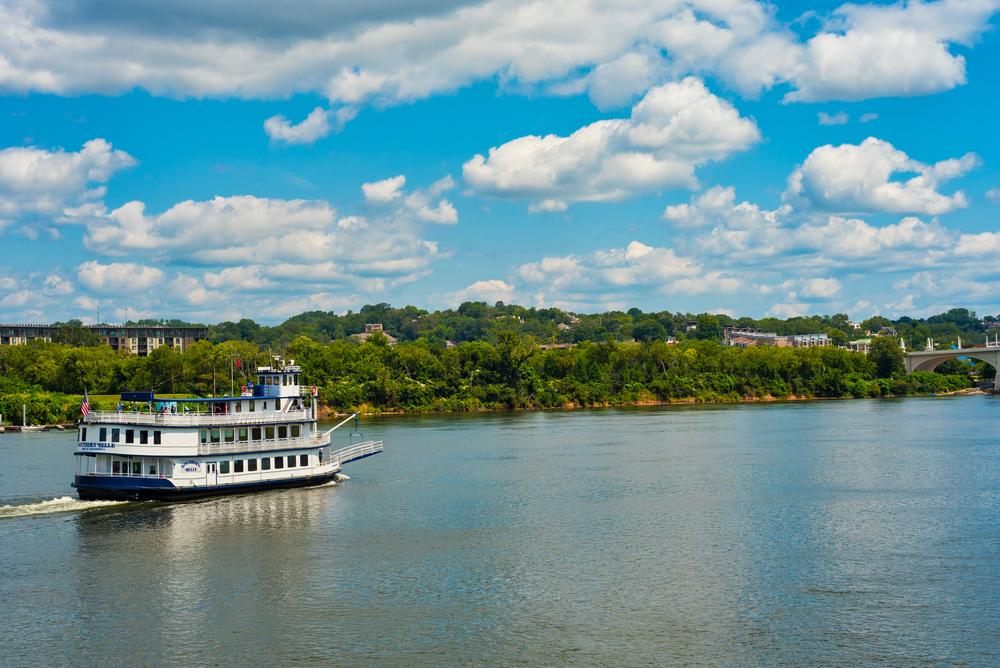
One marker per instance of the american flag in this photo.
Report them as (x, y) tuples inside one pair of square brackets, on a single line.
[(85, 406)]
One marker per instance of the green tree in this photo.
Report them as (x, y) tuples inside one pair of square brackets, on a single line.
[(886, 356)]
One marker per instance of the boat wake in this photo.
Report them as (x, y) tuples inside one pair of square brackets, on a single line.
[(63, 504)]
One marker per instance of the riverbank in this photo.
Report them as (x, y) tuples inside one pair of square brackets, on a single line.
[(369, 397), (328, 412)]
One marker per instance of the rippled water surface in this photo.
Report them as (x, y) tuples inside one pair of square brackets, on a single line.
[(864, 532)]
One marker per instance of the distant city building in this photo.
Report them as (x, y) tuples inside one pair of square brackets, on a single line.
[(746, 337), (135, 340)]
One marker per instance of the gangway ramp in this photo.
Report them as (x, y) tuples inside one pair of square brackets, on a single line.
[(355, 452)]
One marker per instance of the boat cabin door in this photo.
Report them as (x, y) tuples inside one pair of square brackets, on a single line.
[(211, 473)]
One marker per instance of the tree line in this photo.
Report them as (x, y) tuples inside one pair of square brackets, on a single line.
[(507, 370)]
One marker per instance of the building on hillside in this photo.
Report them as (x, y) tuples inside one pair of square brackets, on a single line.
[(135, 340), (860, 345), (746, 337), (371, 328), (810, 340), (15, 335)]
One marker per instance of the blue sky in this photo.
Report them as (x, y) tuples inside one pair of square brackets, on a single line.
[(226, 160)]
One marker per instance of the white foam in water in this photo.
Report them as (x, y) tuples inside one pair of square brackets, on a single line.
[(64, 504), (341, 476)]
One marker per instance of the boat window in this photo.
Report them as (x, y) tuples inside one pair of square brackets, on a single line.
[(295, 431), (104, 434), (156, 438), (243, 433), (137, 467), (130, 436), (251, 465), (303, 460), (116, 467), (256, 433), (265, 463), (291, 461), (263, 406), (269, 433), (238, 466), (283, 431), (223, 467), (252, 405), (204, 436), (116, 434), (239, 406), (143, 437), (230, 435), (215, 436), (83, 433), (152, 466), (279, 463)]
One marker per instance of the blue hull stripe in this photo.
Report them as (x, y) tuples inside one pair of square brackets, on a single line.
[(121, 487)]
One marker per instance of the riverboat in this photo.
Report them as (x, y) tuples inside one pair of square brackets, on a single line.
[(169, 448)]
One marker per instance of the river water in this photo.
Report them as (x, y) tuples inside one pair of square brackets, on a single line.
[(821, 533)]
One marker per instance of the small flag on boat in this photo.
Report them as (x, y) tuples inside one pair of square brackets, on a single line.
[(85, 406)]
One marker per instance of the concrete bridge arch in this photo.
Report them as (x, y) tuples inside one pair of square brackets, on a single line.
[(928, 360)]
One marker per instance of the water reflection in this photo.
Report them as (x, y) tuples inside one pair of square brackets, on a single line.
[(161, 575)]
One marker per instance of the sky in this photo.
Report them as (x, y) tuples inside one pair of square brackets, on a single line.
[(252, 159)]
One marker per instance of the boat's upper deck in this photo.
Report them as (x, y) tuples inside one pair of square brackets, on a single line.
[(194, 419), (276, 398)]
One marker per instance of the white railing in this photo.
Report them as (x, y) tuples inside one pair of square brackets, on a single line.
[(356, 451), (262, 446), (195, 419)]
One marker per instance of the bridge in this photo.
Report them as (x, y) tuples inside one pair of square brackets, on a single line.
[(927, 360)]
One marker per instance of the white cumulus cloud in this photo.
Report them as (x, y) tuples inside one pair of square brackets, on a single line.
[(672, 130), (315, 126), (57, 183), (489, 291), (118, 277), (860, 177), (385, 190)]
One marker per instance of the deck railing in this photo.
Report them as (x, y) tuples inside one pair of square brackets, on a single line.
[(238, 447), (197, 419), (356, 451)]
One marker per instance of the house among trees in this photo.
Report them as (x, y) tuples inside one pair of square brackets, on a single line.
[(372, 328)]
